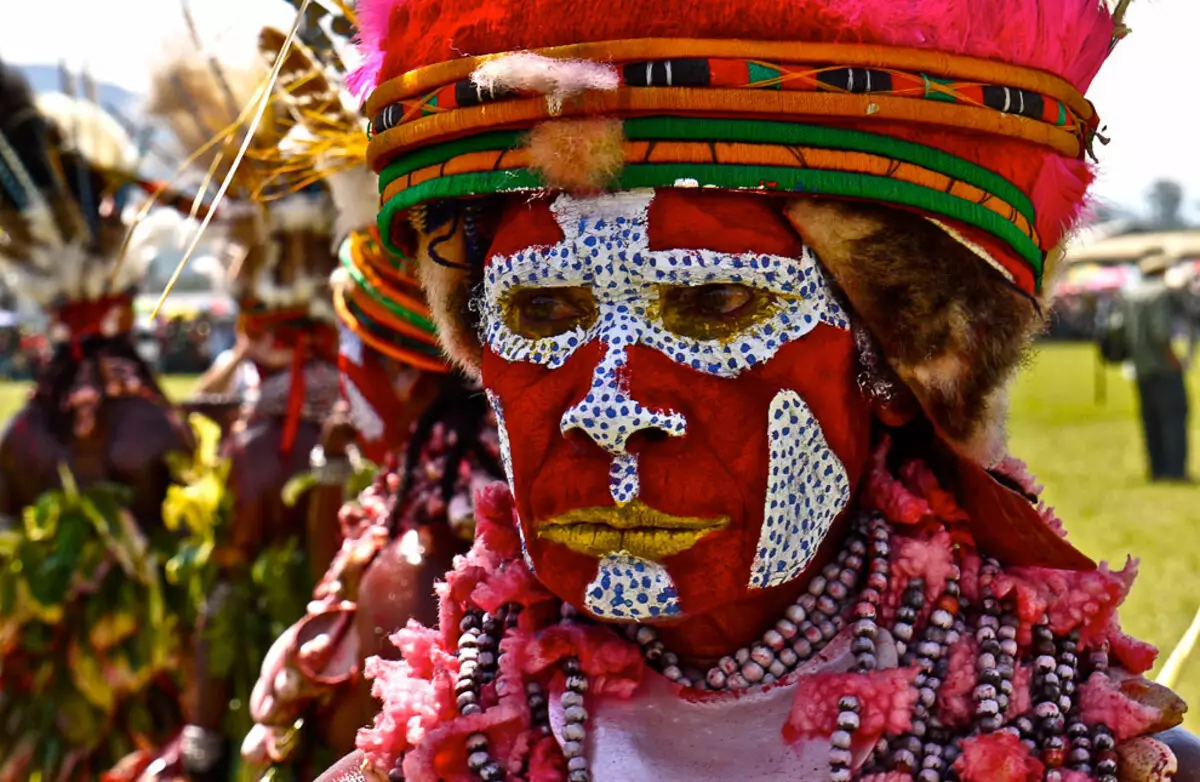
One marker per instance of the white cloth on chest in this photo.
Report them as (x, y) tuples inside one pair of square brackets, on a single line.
[(659, 736)]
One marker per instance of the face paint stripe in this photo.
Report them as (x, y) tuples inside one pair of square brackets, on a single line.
[(627, 588), (807, 487), (506, 463), (608, 415), (623, 480)]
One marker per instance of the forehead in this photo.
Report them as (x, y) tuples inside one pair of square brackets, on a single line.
[(733, 223)]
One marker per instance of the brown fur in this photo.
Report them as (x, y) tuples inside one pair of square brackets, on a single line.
[(577, 156), (448, 291), (950, 326)]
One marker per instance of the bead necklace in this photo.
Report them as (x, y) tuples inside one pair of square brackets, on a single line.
[(923, 634)]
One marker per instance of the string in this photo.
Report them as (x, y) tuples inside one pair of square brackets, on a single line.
[(264, 100)]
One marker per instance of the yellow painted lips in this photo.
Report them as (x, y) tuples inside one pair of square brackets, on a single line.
[(634, 528)]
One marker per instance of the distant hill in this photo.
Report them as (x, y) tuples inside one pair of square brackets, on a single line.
[(45, 78), (126, 105)]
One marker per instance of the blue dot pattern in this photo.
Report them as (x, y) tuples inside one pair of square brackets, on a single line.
[(608, 414), (623, 478), (807, 487), (631, 589), (605, 247)]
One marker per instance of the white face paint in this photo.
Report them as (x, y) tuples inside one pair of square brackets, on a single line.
[(605, 248)]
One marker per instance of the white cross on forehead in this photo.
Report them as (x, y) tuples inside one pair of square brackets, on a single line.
[(606, 248)]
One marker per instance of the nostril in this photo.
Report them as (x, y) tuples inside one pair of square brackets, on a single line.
[(655, 435), (644, 437)]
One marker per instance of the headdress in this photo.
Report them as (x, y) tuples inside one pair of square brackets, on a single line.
[(966, 121), (67, 180), (278, 211), (377, 299)]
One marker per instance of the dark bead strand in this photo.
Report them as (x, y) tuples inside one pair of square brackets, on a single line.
[(1049, 719), (866, 609), (929, 654), (1105, 747), (469, 685), (575, 720), (989, 666), (1080, 758), (472, 645), (489, 648), (866, 619), (904, 629), (840, 757)]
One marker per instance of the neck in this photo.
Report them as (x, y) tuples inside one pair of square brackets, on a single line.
[(704, 638)]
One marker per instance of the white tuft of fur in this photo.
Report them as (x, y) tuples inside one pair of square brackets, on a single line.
[(356, 200), (556, 79), (301, 213), (91, 131)]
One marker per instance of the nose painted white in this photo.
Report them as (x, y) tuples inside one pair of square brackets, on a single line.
[(610, 416)]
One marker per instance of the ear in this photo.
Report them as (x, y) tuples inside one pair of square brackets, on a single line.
[(447, 284), (951, 328)]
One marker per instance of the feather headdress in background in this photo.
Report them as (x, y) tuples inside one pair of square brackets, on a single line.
[(67, 179)]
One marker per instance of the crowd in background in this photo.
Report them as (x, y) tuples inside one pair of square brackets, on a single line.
[(178, 346)]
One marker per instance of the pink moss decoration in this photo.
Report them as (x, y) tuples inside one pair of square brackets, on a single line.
[(997, 757), (885, 699), (1101, 700)]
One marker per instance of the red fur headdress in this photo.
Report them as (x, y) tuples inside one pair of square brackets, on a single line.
[(966, 120)]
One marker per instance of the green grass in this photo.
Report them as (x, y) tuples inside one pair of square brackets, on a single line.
[(1090, 457)]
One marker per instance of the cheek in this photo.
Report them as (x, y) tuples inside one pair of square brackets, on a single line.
[(725, 465), (531, 401), (728, 418)]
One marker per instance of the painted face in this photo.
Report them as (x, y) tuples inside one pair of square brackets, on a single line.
[(675, 383)]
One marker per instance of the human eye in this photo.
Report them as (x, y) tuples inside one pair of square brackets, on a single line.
[(714, 311), (537, 313)]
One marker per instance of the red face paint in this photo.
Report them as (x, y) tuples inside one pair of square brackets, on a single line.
[(685, 397)]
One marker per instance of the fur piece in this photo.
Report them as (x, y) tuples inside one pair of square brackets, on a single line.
[(950, 326), (448, 291), (1066, 37), (578, 156), (355, 194), (556, 79)]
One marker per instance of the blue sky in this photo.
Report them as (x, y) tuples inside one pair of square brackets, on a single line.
[(1147, 95)]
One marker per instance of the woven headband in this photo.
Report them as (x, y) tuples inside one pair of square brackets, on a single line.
[(383, 305), (743, 115)]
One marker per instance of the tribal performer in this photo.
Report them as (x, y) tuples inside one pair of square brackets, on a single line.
[(744, 282), (432, 431), (90, 654), (265, 558)]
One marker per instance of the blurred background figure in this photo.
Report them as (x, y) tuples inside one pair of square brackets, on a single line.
[(1154, 313), (90, 648)]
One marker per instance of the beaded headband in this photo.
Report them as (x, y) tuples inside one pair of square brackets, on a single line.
[(706, 113), (382, 303)]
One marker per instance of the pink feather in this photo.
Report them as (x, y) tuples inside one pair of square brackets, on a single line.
[(1069, 38)]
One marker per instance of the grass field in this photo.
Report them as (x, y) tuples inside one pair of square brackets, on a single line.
[(1089, 455)]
